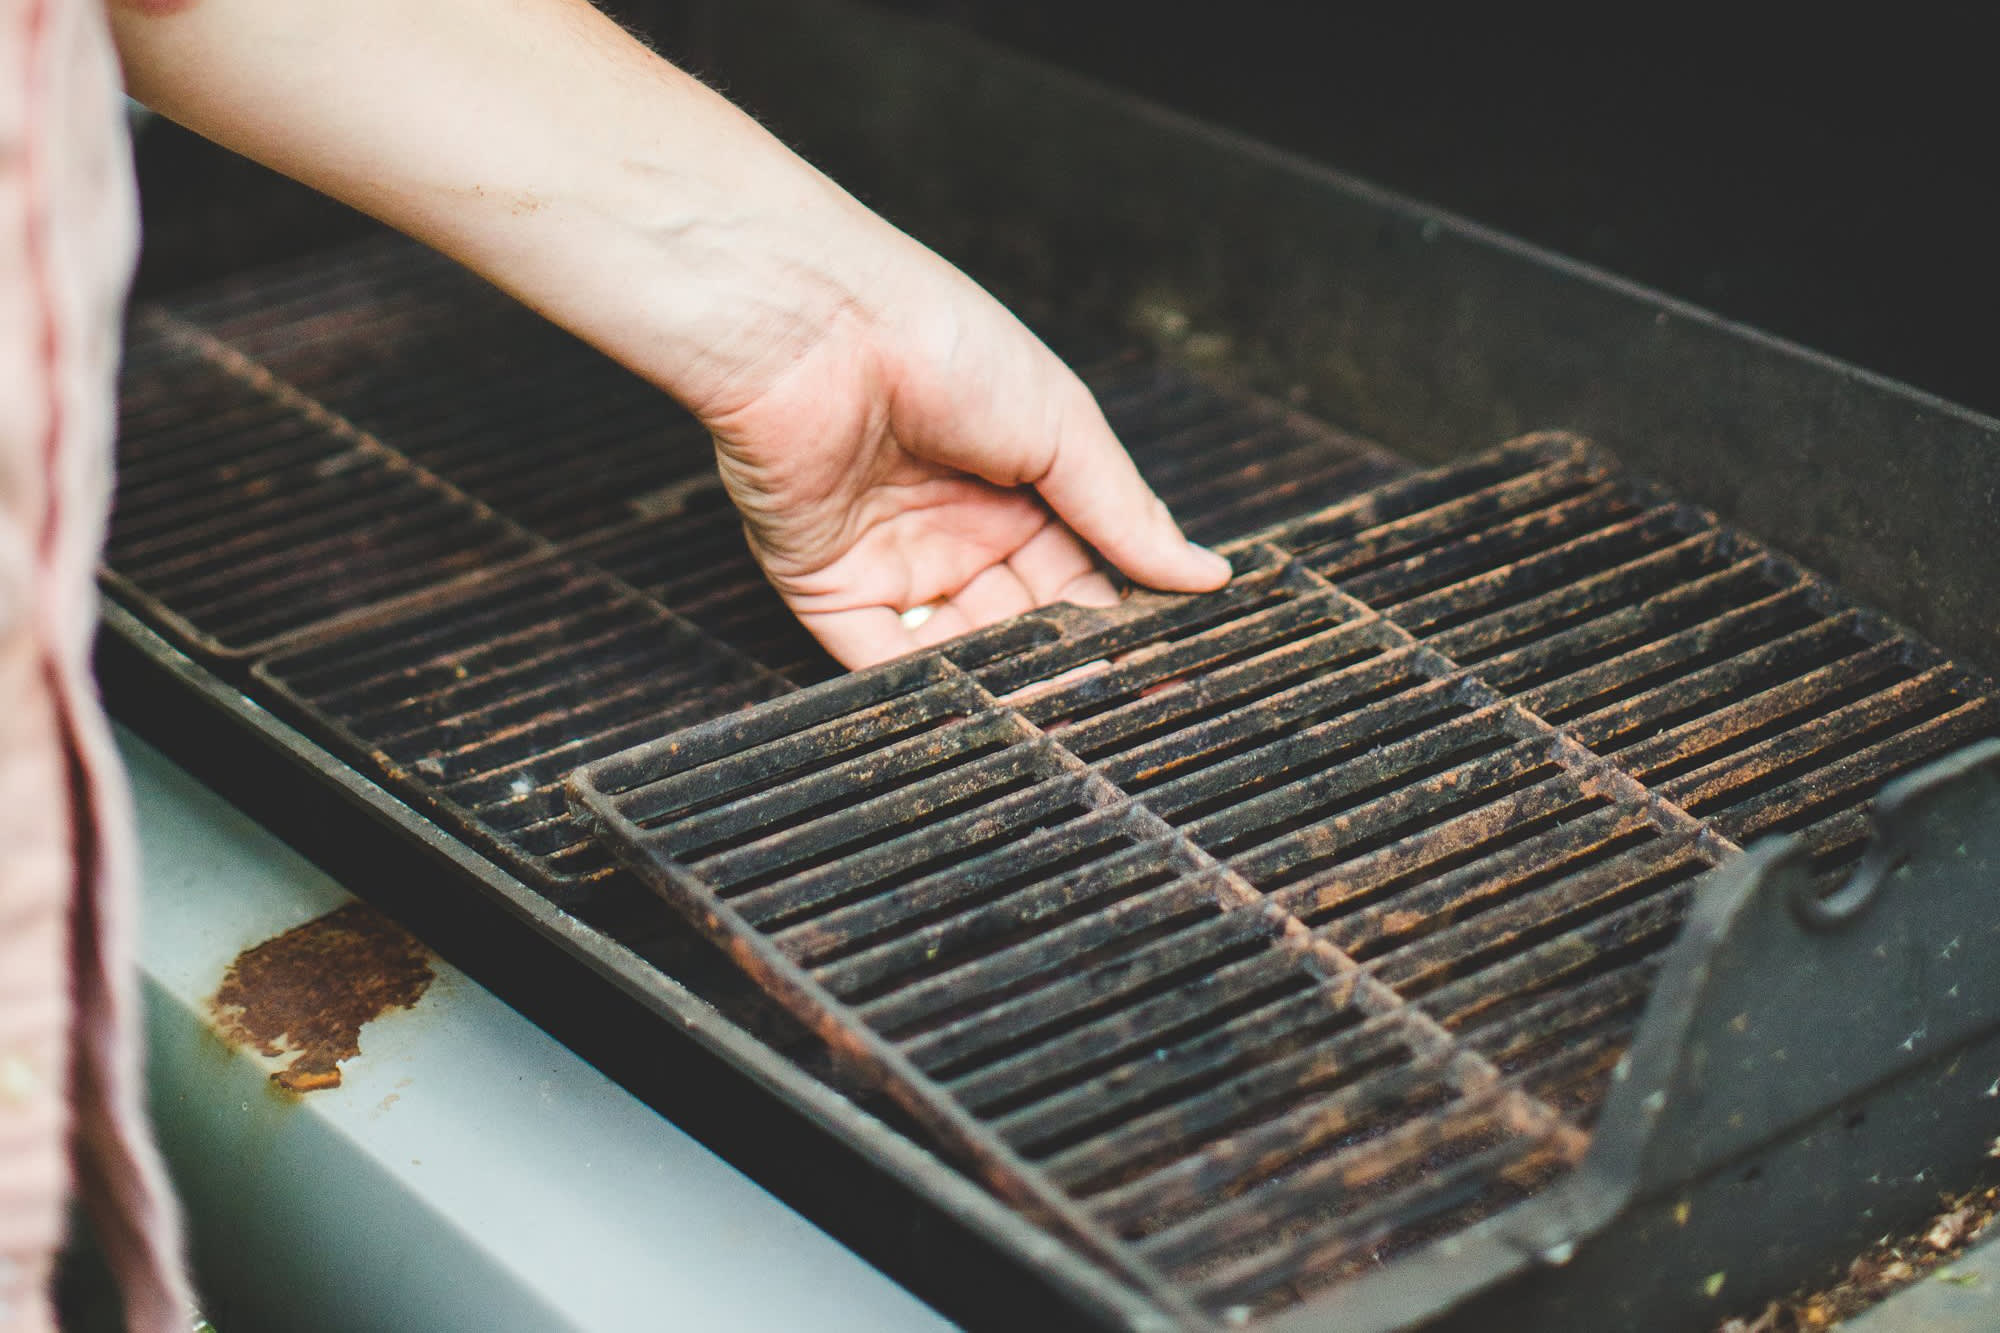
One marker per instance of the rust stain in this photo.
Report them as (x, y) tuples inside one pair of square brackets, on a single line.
[(1395, 923), (309, 991)]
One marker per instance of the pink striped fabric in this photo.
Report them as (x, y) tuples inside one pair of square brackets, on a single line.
[(71, 1099)]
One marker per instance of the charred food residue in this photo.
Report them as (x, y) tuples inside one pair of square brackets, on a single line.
[(308, 991)]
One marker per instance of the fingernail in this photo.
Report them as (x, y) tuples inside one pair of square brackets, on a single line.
[(1219, 568)]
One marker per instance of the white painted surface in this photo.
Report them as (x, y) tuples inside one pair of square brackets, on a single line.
[(470, 1172)]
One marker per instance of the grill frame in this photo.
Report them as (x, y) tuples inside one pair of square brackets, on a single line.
[(1445, 335)]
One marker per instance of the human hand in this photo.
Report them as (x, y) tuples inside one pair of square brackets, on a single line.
[(918, 450)]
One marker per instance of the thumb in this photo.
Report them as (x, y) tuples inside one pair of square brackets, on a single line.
[(1094, 487)]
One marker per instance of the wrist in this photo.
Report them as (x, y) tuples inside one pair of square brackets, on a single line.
[(698, 250)]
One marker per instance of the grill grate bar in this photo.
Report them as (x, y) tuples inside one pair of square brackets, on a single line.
[(1443, 1186), (1649, 922), (279, 445), (498, 696), (1365, 1080), (1428, 794), (1668, 753), (1450, 951), (929, 1007), (1438, 1187), (877, 940), (1361, 922), (937, 796), (1216, 934), (554, 741), (1857, 776), (1708, 787), (1080, 1051), (1309, 683), (272, 566), (1432, 507), (496, 703), (1609, 999), (1581, 623), (1518, 580), (1448, 562), (1270, 491), (1502, 1110), (1778, 632), (937, 855), (1256, 1038), (923, 695), (836, 787)]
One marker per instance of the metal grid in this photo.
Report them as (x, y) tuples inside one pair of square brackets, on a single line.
[(472, 553), (484, 699), (1253, 939), (245, 516)]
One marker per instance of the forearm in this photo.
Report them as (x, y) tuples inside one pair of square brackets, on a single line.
[(878, 418), (541, 145)]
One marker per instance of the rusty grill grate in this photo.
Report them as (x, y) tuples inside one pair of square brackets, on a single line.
[(1254, 939), (486, 699), (471, 553), (245, 517), (1247, 941)]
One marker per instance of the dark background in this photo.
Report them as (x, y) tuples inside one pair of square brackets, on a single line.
[(1830, 180)]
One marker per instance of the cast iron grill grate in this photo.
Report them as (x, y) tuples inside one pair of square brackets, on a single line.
[(488, 697), (1254, 939), (245, 518), (471, 553), (1302, 928)]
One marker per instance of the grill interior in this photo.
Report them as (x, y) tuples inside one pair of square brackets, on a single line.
[(1255, 939), (1247, 940)]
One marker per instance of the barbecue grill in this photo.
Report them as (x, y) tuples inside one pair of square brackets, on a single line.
[(1441, 922)]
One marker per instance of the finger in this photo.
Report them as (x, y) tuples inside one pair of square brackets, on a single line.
[(860, 637), (960, 529), (1057, 567), (1091, 589), (1050, 561), (1093, 486), (994, 594)]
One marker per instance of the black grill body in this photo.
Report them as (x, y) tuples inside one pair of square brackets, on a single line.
[(1394, 899)]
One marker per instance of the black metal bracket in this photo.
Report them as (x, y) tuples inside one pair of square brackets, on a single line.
[(1788, 1033), (1777, 1004)]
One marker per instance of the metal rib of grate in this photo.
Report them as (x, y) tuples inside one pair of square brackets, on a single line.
[(244, 520), (481, 703), (1254, 938), (1230, 466), (690, 554), (513, 410)]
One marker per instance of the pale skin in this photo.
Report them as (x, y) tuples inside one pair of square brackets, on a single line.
[(894, 438)]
